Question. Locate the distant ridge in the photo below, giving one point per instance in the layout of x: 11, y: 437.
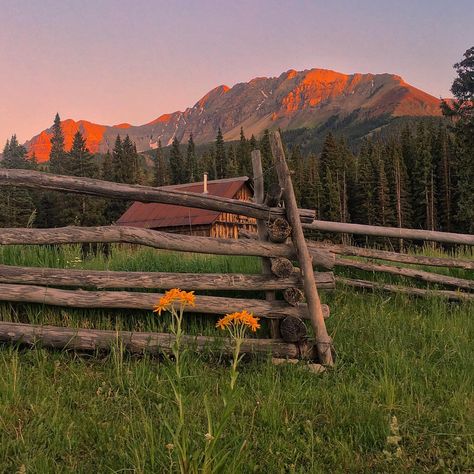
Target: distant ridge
x: 295, y: 99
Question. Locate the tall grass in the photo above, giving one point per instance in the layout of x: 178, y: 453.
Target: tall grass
x: 396, y: 356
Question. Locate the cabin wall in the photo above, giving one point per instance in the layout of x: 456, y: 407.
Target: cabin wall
x: 226, y: 226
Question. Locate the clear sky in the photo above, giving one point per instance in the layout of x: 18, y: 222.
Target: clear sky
x: 112, y: 61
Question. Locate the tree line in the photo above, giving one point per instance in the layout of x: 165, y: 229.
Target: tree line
x: 423, y: 177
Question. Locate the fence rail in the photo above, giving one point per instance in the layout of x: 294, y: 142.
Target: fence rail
x: 395, y: 232
x: 79, y: 288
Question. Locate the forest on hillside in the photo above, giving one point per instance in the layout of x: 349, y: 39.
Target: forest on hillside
x: 422, y: 176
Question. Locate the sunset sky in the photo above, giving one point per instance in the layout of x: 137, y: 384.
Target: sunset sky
x: 112, y: 61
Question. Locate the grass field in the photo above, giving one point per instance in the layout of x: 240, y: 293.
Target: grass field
x: 400, y: 357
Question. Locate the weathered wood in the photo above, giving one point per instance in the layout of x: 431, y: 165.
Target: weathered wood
x: 137, y: 300
x: 323, y: 341
x: 407, y: 272
x: 156, y: 280
x: 262, y: 230
x: 370, y: 285
x: 282, y: 267
x: 278, y: 230
x: 142, y: 342
x: 293, y: 296
x: 156, y: 239
x: 395, y: 232
x: 293, y: 329
x: 165, y: 195
x: 395, y: 257
x: 247, y: 234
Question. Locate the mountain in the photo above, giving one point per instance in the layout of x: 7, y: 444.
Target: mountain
x: 315, y: 98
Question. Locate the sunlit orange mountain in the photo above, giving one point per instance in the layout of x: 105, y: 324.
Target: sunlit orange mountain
x: 295, y: 99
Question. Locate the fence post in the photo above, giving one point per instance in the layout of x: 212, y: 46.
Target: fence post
x: 323, y: 341
x: 259, y: 196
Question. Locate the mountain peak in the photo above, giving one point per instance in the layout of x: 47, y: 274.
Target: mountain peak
x: 212, y: 95
x: 295, y: 99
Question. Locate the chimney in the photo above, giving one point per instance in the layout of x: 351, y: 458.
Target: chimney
x: 205, y: 184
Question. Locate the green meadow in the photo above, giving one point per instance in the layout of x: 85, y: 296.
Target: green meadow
x: 399, y: 399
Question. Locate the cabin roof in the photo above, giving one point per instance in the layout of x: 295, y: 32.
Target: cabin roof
x: 157, y: 215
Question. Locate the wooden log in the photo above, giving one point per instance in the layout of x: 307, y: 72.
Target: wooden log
x: 293, y: 296
x: 155, y: 280
x: 262, y: 231
x: 282, y: 267
x: 141, y: 342
x: 323, y: 341
x: 156, y: 239
x: 165, y: 195
x: 293, y: 329
x: 395, y: 257
x: 407, y: 272
x: 137, y: 300
x: 278, y: 230
x: 370, y: 285
x: 394, y: 232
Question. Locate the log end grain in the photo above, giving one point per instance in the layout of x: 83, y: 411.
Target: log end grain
x: 293, y: 329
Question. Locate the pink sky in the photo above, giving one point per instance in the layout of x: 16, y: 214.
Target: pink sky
x: 112, y: 61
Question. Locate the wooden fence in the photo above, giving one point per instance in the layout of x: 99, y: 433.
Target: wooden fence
x: 275, y: 223
x: 90, y: 289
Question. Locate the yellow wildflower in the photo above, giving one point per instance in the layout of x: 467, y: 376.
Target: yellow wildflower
x: 175, y: 295
x: 243, y: 318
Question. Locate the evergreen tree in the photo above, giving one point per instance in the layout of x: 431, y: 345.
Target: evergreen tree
x: 57, y: 155
x: 17, y: 209
x: 131, y: 169
x: 161, y: 171
x: 232, y: 167
x: 462, y: 113
x: 107, y: 169
x: 178, y: 173
x: 220, y: 155
x: 191, y: 162
x: 80, y: 210
x: 118, y: 174
x: 244, y: 160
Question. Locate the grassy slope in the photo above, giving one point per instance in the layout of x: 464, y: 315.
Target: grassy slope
x: 61, y: 412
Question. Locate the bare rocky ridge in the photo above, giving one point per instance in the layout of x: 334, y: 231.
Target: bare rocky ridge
x: 295, y: 99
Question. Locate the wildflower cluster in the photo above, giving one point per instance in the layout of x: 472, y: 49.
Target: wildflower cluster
x: 242, y: 318
x: 172, y: 296
x: 175, y: 301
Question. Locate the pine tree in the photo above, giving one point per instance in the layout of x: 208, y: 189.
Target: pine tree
x: 462, y: 113
x: 178, y: 173
x: 232, y: 167
x: 131, y: 169
x: 118, y: 175
x: 244, y: 160
x: 57, y: 155
x: 80, y: 210
x: 161, y: 171
x: 383, y: 212
x: 191, y: 162
x: 17, y: 207
x: 107, y: 170
x: 220, y: 155
x: 365, y: 186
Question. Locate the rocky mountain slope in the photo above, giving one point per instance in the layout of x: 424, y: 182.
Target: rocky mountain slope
x: 295, y: 99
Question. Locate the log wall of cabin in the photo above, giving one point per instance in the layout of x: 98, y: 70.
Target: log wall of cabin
x: 226, y: 226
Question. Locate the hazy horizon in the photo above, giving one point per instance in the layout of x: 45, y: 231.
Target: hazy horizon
x: 121, y: 61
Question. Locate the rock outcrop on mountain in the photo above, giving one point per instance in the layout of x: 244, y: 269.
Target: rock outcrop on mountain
x: 295, y: 99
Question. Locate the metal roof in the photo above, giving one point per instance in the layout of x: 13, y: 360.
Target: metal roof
x: 156, y: 215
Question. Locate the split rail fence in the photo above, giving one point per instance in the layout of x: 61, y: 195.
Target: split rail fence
x: 280, y: 242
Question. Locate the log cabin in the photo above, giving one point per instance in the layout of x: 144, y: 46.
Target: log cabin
x: 192, y: 221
